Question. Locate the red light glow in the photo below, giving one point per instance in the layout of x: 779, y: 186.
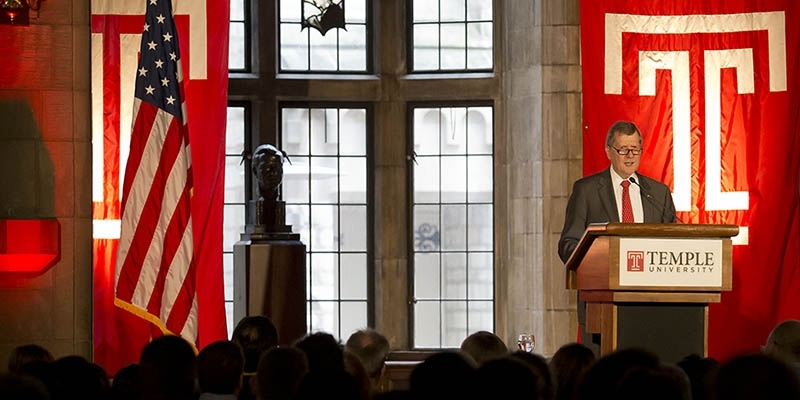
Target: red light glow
x: 30, y: 246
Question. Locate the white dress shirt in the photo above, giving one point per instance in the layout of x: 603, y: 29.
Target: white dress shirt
x: 633, y: 191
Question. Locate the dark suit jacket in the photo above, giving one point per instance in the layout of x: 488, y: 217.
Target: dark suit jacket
x: 593, y: 201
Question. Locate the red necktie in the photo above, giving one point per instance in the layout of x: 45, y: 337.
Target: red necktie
x: 627, y: 209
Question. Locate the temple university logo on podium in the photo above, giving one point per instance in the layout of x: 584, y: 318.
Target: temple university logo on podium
x: 670, y: 262
x: 635, y: 261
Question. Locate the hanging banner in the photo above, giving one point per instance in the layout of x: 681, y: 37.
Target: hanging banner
x: 713, y: 86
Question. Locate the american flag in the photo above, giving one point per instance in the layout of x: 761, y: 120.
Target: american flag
x: 155, y: 274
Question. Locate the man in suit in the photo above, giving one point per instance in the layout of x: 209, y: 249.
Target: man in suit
x: 599, y: 198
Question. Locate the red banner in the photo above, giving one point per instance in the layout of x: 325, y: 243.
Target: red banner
x: 116, y: 36
x: 713, y: 87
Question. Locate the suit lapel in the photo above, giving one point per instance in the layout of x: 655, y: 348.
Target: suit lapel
x: 649, y: 209
x: 607, y: 198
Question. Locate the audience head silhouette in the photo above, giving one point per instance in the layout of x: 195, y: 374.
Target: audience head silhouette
x: 545, y: 387
x: 255, y: 334
x: 24, y: 354
x: 784, y: 341
x: 19, y: 387
x: 167, y: 369
x: 371, y: 348
x: 602, y: 379
x: 443, y: 375
x: 568, y: 365
x: 483, y: 346
x: 127, y: 383
x: 219, y: 368
x: 327, y: 376
x: 323, y: 351
x: 700, y: 371
x: 280, y: 372
x: 756, y: 376
x: 74, y: 377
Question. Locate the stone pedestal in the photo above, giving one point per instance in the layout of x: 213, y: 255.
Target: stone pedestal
x: 270, y: 279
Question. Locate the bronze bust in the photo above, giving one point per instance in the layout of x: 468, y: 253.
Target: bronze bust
x: 268, y: 211
x: 268, y: 169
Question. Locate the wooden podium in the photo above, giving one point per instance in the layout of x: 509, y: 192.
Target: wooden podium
x: 649, y: 285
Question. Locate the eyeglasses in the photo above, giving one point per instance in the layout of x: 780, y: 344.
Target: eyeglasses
x: 625, y: 152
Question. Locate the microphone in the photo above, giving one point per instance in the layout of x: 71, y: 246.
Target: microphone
x: 652, y: 199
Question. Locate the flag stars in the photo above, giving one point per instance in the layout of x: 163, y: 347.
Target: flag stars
x: 173, y: 56
x: 146, y: 27
x: 165, y: 82
x: 142, y: 71
x: 152, y: 45
x: 153, y: 2
x: 159, y: 64
x: 160, y: 18
x: 170, y: 100
x: 167, y: 37
x: 150, y: 89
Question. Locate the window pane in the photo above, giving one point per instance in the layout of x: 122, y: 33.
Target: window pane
x: 336, y: 50
x: 479, y: 136
x: 234, y: 137
x: 353, y: 41
x: 353, y: 125
x: 426, y: 180
x: 294, y: 130
x: 290, y: 11
x: 479, y: 10
x: 294, y: 47
x: 333, y: 224
x: 454, y: 323
x: 427, y: 123
x: 426, y: 228
x: 453, y: 10
x: 453, y: 223
x: 324, y: 135
x: 481, y: 316
x: 454, y: 130
x: 325, y: 233
x: 354, y: 179
x: 453, y: 46
x: 354, y: 317
x: 324, y: 317
x: 324, y: 276
x: 426, y: 47
x: 480, y: 180
x: 480, y: 276
x: 227, y: 275
x: 479, y: 52
x: 237, y: 10
x: 480, y: 227
x: 426, y: 276
x: 353, y: 236
x: 323, y: 178
x: 454, y: 275
x: 427, y: 330
x: 236, y: 48
x: 354, y: 271
x: 298, y: 217
x: 324, y: 50
x: 454, y: 179
x: 234, y: 180
x: 229, y: 316
x: 295, y: 181
x: 426, y: 11
x: 233, y: 225
x: 455, y: 36
x: 355, y: 11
